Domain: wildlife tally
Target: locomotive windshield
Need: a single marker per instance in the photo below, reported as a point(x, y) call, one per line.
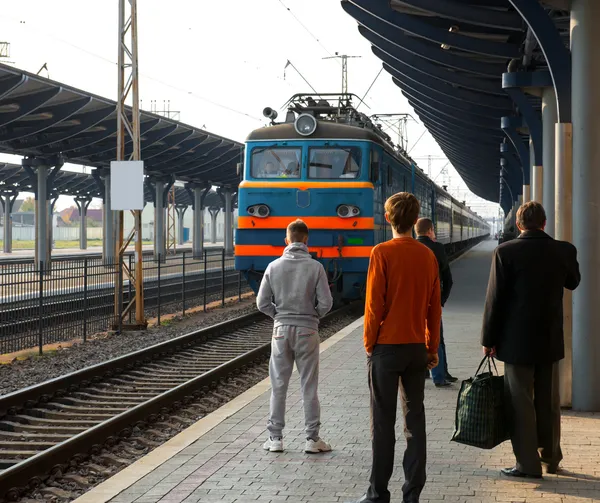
point(334, 162)
point(275, 162)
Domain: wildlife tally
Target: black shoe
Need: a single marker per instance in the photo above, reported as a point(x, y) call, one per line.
point(513, 472)
point(552, 468)
point(450, 378)
point(443, 384)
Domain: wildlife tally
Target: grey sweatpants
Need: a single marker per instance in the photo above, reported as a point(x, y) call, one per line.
point(291, 344)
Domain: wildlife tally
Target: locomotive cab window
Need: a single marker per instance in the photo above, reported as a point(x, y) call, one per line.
point(275, 162)
point(330, 163)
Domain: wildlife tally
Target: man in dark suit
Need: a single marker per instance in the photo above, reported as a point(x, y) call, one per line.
point(523, 326)
point(426, 235)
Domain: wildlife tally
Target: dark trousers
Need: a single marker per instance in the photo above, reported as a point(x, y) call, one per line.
point(535, 413)
point(390, 365)
point(439, 373)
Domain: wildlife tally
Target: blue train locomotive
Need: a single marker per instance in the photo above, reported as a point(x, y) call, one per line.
point(331, 166)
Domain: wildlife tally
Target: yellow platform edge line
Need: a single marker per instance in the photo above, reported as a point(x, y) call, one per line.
point(121, 481)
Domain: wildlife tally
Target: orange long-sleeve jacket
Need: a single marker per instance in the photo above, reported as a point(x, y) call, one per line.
point(403, 302)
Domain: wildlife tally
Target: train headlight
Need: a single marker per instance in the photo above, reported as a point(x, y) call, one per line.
point(259, 210)
point(305, 124)
point(347, 211)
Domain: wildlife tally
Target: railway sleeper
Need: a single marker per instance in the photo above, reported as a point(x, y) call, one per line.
point(143, 385)
point(50, 422)
point(45, 437)
point(17, 456)
point(150, 378)
point(26, 428)
point(72, 401)
point(84, 409)
point(71, 416)
point(19, 445)
point(191, 367)
point(130, 394)
point(128, 398)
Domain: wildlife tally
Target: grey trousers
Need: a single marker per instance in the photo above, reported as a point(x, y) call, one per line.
point(301, 345)
point(535, 412)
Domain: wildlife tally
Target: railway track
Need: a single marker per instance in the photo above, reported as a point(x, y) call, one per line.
point(45, 427)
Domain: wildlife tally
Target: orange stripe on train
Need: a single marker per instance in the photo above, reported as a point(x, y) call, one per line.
point(321, 251)
point(304, 185)
point(312, 222)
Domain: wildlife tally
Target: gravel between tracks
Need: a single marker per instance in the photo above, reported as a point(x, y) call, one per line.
point(22, 373)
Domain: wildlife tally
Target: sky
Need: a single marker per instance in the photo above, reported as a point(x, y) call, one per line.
point(218, 63)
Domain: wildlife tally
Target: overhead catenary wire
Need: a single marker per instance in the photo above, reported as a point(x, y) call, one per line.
point(112, 62)
point(305, 28)
point(370, 87)
point(289, 63)
point(418, 140)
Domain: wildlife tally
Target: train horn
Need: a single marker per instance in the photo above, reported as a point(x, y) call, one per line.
point(269, 113)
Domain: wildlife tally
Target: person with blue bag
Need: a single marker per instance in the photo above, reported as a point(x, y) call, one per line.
point(523, 327)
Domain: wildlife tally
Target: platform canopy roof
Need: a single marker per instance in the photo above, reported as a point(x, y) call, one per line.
point(448, 57)
point(43, 118)
point(13, 178)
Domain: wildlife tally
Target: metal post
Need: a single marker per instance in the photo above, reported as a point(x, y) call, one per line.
point(205, 279)
point(41, 309)
point(159, 221)
point(214, 212)
point(563, 205)
point(223, 277)
point(128, 125)
point(158, 290)
point(198, 231)
point(549, 119)
point(180, 223)
point(7, 205)
point(41, 215)
point(108, 228)
point(228, 224)
point(82, 205)
point(183, 282)
point(585, 37)
point(85, 297)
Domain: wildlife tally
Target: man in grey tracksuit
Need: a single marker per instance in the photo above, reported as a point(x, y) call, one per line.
point(295, 292)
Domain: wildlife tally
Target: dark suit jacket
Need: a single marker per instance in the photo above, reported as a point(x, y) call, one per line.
point(523, 316)
point(444, 266)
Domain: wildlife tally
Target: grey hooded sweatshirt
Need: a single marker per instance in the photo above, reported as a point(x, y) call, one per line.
point(294, 289)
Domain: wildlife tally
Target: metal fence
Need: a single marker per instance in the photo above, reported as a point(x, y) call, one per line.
point(73, 298)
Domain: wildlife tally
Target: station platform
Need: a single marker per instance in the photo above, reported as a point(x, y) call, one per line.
point(220, 458)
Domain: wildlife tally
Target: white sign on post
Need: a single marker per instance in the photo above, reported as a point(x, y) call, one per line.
point(127, 185)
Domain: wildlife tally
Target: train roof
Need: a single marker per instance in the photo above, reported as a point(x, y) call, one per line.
point(325, 130)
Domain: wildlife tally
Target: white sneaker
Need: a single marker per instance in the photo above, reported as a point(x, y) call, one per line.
point(274, 445)
point(316, 446)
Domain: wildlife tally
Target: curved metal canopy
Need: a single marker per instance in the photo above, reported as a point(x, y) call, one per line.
point(43, 118)
point(82, 185)
point(448, 57)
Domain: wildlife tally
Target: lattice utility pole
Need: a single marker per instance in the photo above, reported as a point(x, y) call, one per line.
point(129, 128)
point(171, 223)
point(344, 58)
